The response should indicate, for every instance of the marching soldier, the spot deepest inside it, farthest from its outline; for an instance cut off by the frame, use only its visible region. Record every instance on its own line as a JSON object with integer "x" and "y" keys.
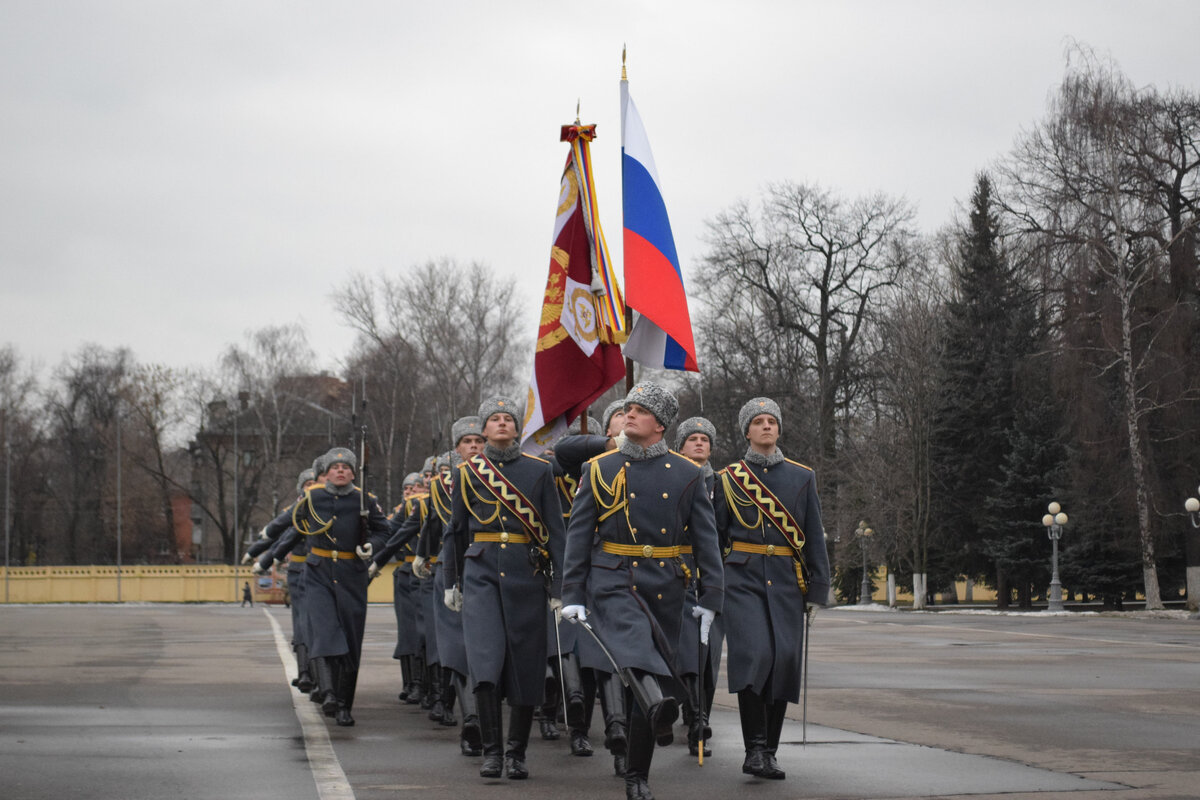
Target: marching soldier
{"x": 637, "y": 507}
{"x": 506, "y": 534}
{"x": 695, "y": 438}
{"x": 770, "y": 522}
{"x": 343, "y": 526}
{"x": 404, "y": 523}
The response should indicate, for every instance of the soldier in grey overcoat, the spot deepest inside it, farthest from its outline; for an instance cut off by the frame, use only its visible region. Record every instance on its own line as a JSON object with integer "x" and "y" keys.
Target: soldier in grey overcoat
{"x": 344, "y": 528}
{"x": 637, "y": 507}
{"x": 506, "y": 534}
{"x": 770, "y": 521}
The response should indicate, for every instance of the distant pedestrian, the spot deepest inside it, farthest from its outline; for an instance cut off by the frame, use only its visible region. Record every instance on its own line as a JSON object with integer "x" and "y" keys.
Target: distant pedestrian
{"x": 247, "y": 597}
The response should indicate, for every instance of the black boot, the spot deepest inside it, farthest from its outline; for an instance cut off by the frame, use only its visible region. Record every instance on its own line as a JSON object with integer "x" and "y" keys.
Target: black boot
{"x": 432, "y": 701}
{"x": 776, "y": 712}
{"x": 580, "y": 745}
{"x": 347, "y": 683}
{"x": 520, "y": 720}
{"x": 753, "y": 714}
{"x": 548, "y": 712}
{"x": 573, "y": 681}
{"x": 325, "y": 684}
{"x": 417, "y": 692}
{"x": 304, "y": 681}
{"x": 698, "y": 728}
{"x": 447, "y": 694}
{"x": 620, "y": 765}
{"x": 470, "y": 743}
{"x": 641, "y": 750}
{"x": 487, "y": 699}
{"x": 612, "y": 703}
{"x": 406, "y": 681}
{"x": 659, "y": 710}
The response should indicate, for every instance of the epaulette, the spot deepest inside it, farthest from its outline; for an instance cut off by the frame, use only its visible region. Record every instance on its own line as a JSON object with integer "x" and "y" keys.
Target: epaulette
{"x": 798, "y": 464}
{"x": 536, "y": 458}
{"x": 685, "y": 458}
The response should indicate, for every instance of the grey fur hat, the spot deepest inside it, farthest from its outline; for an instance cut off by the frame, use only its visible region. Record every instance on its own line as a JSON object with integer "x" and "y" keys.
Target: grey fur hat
{"x": 465, "y": 426}
{"x": 755, "y": 406}
{"x": 497, "y": 404}
{"x": 612, "y": 408}
{"x": 340, "y": 455}
{"x": 428, "y": 465}
{"x": 655, "y": 399}
{"x": 442, "y": 461}
{"x": 695, "y": 425}
{"x": 318, "y": 466}
{"x": 593, "y": 426}
{"x": 304, "y": 477}
{"x": 411, "y": 479}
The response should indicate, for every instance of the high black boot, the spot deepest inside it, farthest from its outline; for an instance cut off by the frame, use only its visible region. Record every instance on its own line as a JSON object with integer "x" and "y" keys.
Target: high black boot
{"x": 470, "y": 743}
{"x": 753, "y": 714}
{"x": 520, "y": 721}
{"x": 418, "y": 677}
{"x": 304, "y": 681}
{"x": 347, "y": 683}
{"x": 698, "y": 728}
{"x": 572, "y": 679}
{"x": 432, "y": 701}
{"x": 325, "y": 684}
{"x": 580, "y": 745}
{"x": 447, "y": 698}
{"x": 548, "y": 711}
{"x": 612, "y": 704}
{"x": 487, "y": 699}
{"x": 406, "y": 681}
{"x": 776, "y": 712}
{"x": 659, "y": 710}
{"x": 641, "y": 750}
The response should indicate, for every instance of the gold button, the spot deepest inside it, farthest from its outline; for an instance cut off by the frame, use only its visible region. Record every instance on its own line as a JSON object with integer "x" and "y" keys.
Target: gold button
{"x": 662, "y": 564}
{"x": 627, "y": 463}
{"x": 504, "y": 519}
{"x": 502, "y": 575}
{"x": 768, "y": 583}
{"x": 633, "y": 530}
{"x": 635, "y": 563}
{"x": 663, "y": 531}
{"x": 660, "y": 597}
{"x": 664, "y": 495}
{"x": 504, "y": 536}
{"x": 632, "y": 495}
{"x": 503, "y": 547}
{"x": 770, "y": 549}
{"x": 635, "y": 588}
{"x": 668, "y": 465}
{"x": 647, "y": 550}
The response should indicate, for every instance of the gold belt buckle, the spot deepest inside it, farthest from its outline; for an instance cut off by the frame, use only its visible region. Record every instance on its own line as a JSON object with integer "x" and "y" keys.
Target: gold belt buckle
{"x": 647, "y": 551}
{"x": 770, "y": 549}
{"x": 504, "y": 536}
{"x": 334, "y": 555}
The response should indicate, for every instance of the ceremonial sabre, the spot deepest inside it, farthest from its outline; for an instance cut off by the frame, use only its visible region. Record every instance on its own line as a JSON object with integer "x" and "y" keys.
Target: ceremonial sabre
{"x": 808, "y": 618}
{"x": 616, "y": 669}
{"x": 562, "y": 682}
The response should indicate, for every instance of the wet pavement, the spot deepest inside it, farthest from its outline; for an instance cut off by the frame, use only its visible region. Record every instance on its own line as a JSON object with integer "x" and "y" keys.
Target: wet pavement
{"x": 192, "y": 701}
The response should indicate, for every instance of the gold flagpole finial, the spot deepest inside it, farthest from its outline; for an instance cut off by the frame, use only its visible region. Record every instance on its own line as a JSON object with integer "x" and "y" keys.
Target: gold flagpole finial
{"x": 624, "y": 77}
{"x": 577, "y": 101}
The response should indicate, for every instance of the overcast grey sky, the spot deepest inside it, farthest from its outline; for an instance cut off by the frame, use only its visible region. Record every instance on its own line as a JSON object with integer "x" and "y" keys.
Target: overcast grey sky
{"x": 173, "y": 174}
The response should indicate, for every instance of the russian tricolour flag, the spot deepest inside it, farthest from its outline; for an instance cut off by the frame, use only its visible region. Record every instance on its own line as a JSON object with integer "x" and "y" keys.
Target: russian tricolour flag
{"x": 662, "y": 335}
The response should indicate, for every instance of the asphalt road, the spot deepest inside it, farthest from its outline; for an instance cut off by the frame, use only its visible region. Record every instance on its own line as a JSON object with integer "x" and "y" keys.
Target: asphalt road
{"x": 170, "y": 701}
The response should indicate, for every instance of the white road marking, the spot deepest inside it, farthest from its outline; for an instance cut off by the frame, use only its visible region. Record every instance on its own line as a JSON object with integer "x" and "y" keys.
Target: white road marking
{"x": 326, "y": 769}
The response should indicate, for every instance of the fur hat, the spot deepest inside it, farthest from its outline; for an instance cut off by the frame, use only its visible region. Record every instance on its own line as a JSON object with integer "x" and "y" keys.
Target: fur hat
{"x": 497, "y": 404}
{"x": 340, "y": 455}
{"x": 465, "y": 426}
{"x": 655, "y": 399}
{"x": 593, "y": 426}
{"x": 318, "y": 466}
{"x": 411, "y": 479}
{"x": 612, "y": 408}
{"x": 695, "y": 425}
{"x": 443, "y": 461}
{"x": 755, "y": 406}
{"x": 304, "y": 477}
{"x": 428, "y": 465}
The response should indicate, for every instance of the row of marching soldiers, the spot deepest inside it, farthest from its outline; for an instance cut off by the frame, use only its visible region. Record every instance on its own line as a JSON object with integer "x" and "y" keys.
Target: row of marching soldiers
{"x": 612, "y": 567}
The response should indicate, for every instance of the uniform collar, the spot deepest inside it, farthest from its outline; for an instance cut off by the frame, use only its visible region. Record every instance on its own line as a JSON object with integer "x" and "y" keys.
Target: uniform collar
{"x": 340, "y": 491}
{"x": 635, "y": 452}
{"x": 754, "y": 457}
{"x": 510, "y": 453}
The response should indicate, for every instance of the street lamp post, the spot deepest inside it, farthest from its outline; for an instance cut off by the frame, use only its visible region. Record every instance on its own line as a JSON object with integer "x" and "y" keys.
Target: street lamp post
{"x": 864, "y": 535}
{"x": 1054, "y": 522}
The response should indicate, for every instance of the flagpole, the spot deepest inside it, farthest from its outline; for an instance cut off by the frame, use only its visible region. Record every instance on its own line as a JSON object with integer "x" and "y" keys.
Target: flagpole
{"x": 628, "y": 310}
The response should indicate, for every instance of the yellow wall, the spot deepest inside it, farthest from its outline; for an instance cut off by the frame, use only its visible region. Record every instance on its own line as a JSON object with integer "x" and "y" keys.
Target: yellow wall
{"x": 144, "y": 584}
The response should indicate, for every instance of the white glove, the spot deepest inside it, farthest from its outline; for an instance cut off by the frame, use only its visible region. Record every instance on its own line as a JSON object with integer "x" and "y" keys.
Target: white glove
{"x": 574, "y": 613}
{"x": 420, "y": 568}
{"x": 452, "y": 597}
{"x": 365, "y": 550}
{"x": 706, "y": 618}
{"x": 257, "y": 569}
{"x": 262, "y": 534}
{"x": 619, "y": 440}
{"x": 372, "y": 570}
{"x": 556, "y": 604}
{"x": 246, "y": 558}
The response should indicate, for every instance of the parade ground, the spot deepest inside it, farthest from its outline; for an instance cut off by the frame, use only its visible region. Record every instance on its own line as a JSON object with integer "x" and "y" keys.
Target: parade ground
{"x": 193, "y": 701}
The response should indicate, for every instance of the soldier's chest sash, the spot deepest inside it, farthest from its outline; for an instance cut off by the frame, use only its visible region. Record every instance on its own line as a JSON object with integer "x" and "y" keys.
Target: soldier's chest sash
{"x": 333, "y": 518}
{"x": 487, "y": 483}
{"x": 439, "y": 498}
{"x": 747, "y": 492}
